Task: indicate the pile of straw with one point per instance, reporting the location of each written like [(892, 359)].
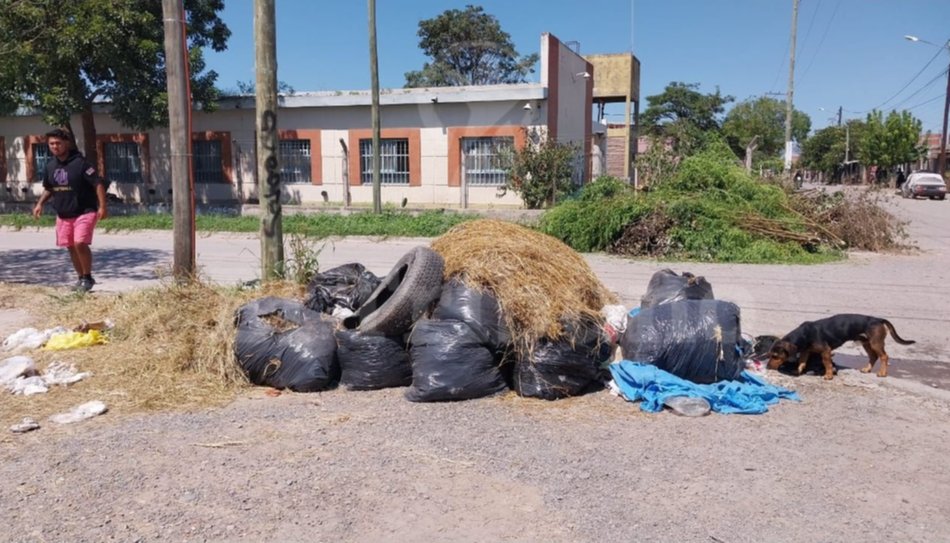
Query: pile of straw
[(172, 347), (541, 284)]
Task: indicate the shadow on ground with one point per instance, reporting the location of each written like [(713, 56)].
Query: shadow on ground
[(52, 266)]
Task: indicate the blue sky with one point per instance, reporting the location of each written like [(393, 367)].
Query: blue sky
[(850, 53)]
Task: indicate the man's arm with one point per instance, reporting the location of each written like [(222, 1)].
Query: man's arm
[(38, 208), (103, 212)]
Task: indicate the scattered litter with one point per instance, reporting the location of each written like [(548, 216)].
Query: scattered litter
[(15, 367), (28, 424), (615, 317), (220, 445), (80, 412), (102, 326), (748, 394), (687, 406), (73, 340), (57, 373), (29, 338)]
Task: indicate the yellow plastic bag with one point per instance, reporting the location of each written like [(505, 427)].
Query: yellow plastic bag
[(73, 340)]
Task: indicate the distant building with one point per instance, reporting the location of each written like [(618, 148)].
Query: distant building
[(440, 146)]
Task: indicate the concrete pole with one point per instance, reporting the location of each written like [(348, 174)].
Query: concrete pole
[(268, 142), (942, 161), (791, 91), (179, 135), (374, 108)]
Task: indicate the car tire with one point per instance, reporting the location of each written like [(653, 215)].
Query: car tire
[(414, 283)]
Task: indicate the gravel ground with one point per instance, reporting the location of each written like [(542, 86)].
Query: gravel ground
[(860, 458)]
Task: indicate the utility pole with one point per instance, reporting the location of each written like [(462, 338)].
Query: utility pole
[(268, 142), (179, 135), (789, 94), (942, 161), (374, 108)]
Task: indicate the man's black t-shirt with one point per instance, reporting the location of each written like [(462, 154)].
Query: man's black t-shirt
[(73, 184)]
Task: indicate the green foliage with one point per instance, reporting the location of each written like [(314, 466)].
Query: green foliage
[(707, 203), (542, 174), (682, 115), (763, 117), (468, 47), (657, 165), (61, 57), (892, 141), (303, 263), (824, 150), (595, 219)]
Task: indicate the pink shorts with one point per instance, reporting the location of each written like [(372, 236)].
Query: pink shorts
[(79, 229)]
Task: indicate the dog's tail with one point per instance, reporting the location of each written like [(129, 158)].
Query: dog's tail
[(897, 338)]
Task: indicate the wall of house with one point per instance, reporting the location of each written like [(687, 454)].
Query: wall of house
[(433, 121)]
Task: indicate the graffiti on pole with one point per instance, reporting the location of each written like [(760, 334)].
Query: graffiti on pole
[(270, 189)]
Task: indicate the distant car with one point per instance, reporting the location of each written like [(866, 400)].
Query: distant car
[(930, 185)]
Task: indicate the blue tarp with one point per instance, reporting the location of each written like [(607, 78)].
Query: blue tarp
[(750, 394)]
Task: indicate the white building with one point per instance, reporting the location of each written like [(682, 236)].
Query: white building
[(438, 144)]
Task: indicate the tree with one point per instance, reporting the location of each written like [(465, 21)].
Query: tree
[(824, 150), (62, 57), (681, 115), (468, 47), (542, 173), (249, 88), (890, 142), (763, 117)]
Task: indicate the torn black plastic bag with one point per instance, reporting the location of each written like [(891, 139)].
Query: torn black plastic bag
[(666, 286), (564, 367), (477, 308), (281, 343), (693, 339), (348, 286), (370, 362), (450, 362)]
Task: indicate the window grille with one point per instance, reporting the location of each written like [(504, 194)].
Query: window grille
[(206, 157), (295, 161), (123, 163), (40, 155), (485, 160), (394, 161)]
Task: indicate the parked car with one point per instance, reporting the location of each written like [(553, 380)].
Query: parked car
[(926, 184)]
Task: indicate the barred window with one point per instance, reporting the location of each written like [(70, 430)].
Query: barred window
[(40, 155), (123, 162), (207, 161), (485, 160), (295, 161), (393, 164)]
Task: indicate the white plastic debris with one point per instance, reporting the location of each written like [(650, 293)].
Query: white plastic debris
[(29, 338), (616, 321), (340, 312), (80, 412), (14, 367), (26, 425), (29, 382)]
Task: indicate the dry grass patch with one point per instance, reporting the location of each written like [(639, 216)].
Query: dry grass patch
[(171, 348), (540, 282)]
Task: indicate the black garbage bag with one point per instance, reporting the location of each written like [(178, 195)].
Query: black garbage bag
[(697, 340), (348, 286), (281, 343), (476, 308), (666, 286), (450, 362), (370, 362), (565, 367)]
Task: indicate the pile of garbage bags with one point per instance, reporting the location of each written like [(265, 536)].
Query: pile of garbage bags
[(443, 340)]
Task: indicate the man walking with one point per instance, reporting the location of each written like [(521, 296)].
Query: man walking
[(78, 196)]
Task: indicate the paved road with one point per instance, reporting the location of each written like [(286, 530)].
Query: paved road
[(909, 289)]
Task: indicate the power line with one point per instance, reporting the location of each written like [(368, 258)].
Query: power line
[(918, 91), (823, 36), (938, 97), (811, 22), (939, 51)]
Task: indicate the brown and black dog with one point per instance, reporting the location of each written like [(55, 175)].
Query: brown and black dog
[(825, 335)]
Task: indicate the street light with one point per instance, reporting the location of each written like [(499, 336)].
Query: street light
[(942, 161)]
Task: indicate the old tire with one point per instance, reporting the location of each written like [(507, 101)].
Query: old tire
[(410, 288)]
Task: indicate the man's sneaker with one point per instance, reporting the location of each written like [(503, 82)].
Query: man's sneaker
[(77, 286), (85, 284)]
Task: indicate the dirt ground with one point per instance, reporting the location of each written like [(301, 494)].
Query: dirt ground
[(859, 458)]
